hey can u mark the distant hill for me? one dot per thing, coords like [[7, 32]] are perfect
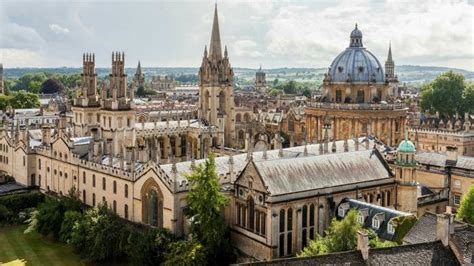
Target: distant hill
[[409, 74]]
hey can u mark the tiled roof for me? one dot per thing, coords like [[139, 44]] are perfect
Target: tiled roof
[[339, 258], [423, 231], [431, 253], [439, 159], [463, 243]]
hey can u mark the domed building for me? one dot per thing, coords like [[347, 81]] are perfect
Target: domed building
[[358, 97]]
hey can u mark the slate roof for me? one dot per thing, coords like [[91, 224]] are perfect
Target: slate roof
[[374, 210], [423, 231], [463, 243], [339, 258], [431, 253], [283, 176], [439, 159]]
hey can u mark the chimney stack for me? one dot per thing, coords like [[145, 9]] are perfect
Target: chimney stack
[[452, 155], [363, 244], [444, 227]]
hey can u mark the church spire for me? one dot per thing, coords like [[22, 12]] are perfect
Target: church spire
[[139, 68], [215, 49], [389, 58]]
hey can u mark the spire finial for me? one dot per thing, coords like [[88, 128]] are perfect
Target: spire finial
[[356, 25], [215, 45]]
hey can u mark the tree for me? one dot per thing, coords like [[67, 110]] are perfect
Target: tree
[[306, 92], [186, 253], [466, 210], [71, 218], [24, 99], [51, 86], [340, 236], [4, 102], [445, 95], [148, 247], [205, 202], [141, 91]]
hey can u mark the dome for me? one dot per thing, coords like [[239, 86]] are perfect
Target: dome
[[406, 146], [356, 64]]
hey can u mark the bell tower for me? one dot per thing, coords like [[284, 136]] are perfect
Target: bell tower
[[216, 93]]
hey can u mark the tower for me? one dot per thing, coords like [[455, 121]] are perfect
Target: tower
[[260, 81], [2, 87], [390, 76], [86, 105], [139, 77], [216, 93], [405, 176], [117, 114]]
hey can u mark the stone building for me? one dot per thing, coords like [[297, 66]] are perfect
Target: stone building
[[358, 98], [139, 77], [163, 83], [260, 81]]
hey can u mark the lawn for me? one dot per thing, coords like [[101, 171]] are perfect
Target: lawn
[[34, 248]]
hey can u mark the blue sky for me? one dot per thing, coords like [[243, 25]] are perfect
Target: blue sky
[[271, 33]]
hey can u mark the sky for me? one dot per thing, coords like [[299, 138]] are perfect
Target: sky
[[271, 33]]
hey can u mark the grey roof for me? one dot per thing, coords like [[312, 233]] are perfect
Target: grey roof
[[374, 210], [359, 63], [283, 176], [423, 231], [431, 253], [463, 240], [439, 159], [338, 258]]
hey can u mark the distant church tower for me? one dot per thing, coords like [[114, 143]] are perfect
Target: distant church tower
[[390, 76], [86, 103], [405, 177], [139, 78], [216, 94], [260, 81]]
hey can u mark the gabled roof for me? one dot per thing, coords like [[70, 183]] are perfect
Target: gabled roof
[[423, 231], [291, 175]]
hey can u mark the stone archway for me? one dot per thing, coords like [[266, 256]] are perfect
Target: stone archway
[[152, 203]]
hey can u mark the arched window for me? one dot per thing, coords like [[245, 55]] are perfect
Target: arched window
[[126, 190], [125, 211], [152, 203], [251, 213], [104, 187], [289, 228], [84, 177], [281, 243], [93, 180], [84, 196], [304, 225], [93, 199], [238, 118], [222, 104], [114, 206], [115, 187]]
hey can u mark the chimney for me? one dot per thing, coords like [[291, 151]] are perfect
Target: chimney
[[444, 227], [46, 132], [452, 155], [363, 244]]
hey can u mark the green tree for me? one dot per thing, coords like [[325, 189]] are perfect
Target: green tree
[[23, 99], [71, 218], [186, 253], [148, 247], [205, 203], [306, 92], [466, 210], [141, 92], [50, 217], [468, 98], [444, 94], [4, 102], [340, 236]]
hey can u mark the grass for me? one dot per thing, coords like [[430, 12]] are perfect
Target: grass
[[34, 248]]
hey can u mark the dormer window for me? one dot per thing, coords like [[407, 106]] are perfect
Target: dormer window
[[390, 228], [375, 223], [342, 210], [360, 218]]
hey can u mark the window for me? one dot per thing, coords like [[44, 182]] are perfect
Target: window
[[341, 211], [360, 218], [251, 213], [104, 201], [84, 196], [93, 199], [115, 187], [390, 228], [103, 184], [39, 164], [126, 190], [457, 199], [84, 177], [338, 96], [457, 184], [24, 161], [375, 223], [114, 206], [360, 96], [125, 211], [93, 180]]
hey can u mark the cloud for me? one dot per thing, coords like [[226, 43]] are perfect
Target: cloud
[[58, 29], [315, 36], [243, 48], [17, 36], [21, 57]]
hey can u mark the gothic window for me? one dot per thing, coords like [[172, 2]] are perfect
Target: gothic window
[[93, 180], [39, 164], [282, 233], [125, 190], [152, 200], [222, 102], [93, 199], [289, 225], [251, 213], [247, 117], [114, 206], [238, 118], [291, 124], [360, 96], [115, 187], [104, 187]]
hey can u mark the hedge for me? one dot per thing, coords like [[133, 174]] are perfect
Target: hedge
[[18, 202]]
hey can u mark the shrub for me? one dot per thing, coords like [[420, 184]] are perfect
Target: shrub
[[186, 253], [5, 214], [50, 217], [18, 202], [148, 247], [71, 218]]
